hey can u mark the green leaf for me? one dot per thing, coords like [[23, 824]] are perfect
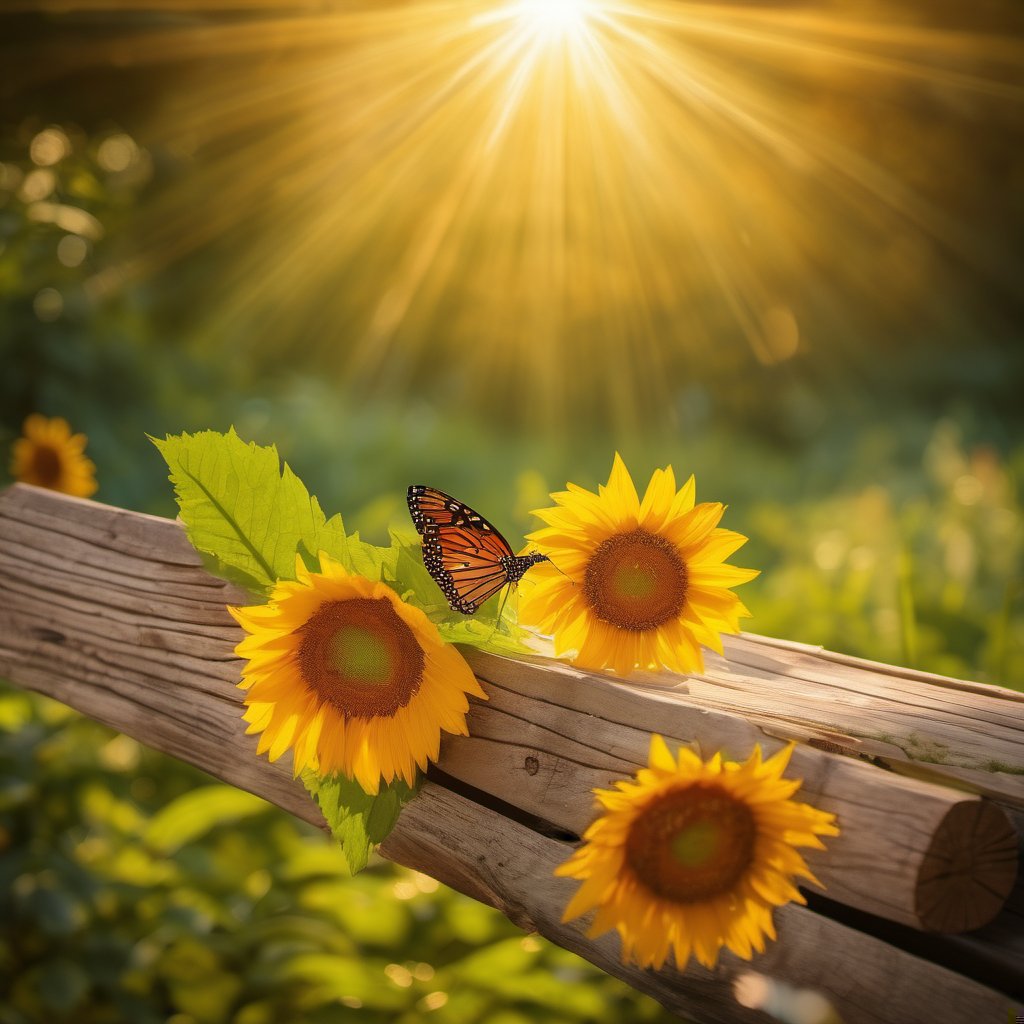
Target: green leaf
[[240, 508], [62, 984], [331, 539], [248, 517], [325, 979], [485, 635], [195, 813], [415, 585], [358, 820], [371, 561], [405, 572]]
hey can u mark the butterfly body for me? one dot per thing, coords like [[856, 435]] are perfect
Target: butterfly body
[[516, 565], [466, 556]]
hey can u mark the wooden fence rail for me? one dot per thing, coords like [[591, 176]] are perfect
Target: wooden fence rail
[[112, 613]]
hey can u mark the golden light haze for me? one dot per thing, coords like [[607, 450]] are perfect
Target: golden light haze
[[595, 200]]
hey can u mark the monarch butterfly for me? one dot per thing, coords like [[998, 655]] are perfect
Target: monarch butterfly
[[467, 557]]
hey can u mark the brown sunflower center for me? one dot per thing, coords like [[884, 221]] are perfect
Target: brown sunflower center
[[636, 581], [692, 844], [360, 657], [46, 465]]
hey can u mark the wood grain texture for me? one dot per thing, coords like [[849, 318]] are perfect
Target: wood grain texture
[[550, 732], [496, 861], [112, 613], [959, 729]]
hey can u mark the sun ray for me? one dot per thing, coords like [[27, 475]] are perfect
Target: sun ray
[[584, 194]]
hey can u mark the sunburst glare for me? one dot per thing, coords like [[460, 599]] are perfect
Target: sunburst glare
[[553, 19], [603, 198]]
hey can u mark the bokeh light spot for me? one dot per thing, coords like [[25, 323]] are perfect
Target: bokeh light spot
[[38, 184], [72, 250], [49, 147], [48, 305], [117, 153], [399, 975], [434, 1001]]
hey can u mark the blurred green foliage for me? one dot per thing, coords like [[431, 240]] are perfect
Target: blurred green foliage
[[134, 889], [923, 572]]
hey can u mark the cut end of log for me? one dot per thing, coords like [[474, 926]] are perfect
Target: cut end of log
[[969, 870]]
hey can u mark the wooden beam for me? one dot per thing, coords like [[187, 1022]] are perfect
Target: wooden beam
[[910, 851], [112, 613]]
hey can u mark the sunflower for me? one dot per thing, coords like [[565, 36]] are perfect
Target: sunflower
[[350, 677], [693, 856], [49, 455], [634, 583]]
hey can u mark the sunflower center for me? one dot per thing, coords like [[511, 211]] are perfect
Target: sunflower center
[[359, 653], [692, 844], [46, 465], [360, 657], [636, 581]]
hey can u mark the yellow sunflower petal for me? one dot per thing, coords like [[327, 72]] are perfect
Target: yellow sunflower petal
[[721, 575], [351, 679], [659, 865], [659, 756], [691, 531], [685, 499], [645, 584], [657, 503], [719, 545], [620, 490], [588, 508]]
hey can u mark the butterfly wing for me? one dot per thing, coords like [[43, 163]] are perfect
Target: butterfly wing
[[465, 554]]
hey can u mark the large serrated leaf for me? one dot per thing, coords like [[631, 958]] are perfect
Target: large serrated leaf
[[241, 509], [371, 561], [358, 820]]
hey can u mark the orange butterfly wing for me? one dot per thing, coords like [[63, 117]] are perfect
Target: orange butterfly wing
[[466, 556]]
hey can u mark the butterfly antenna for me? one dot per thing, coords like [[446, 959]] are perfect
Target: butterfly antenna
[[565, 574]]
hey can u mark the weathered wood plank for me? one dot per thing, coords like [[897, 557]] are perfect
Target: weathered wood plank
[[111, 613], [580, 729], [899, 713], [482, 854], [550, 731]]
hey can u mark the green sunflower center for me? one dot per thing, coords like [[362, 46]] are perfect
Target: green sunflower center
[[360, 657], [359, 653], [636, 581], [46, 465], [692, 844], [696, 845]]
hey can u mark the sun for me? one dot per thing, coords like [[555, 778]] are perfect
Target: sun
[[637, 196], [554, 19]]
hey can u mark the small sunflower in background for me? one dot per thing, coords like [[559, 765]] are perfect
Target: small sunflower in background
[[49, 455], [631, 583], [350, 677], [691, 856]]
